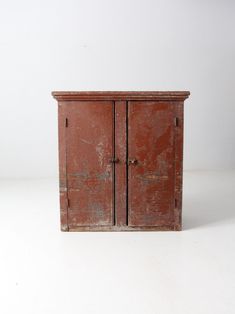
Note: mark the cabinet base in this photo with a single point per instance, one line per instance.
(121, 228)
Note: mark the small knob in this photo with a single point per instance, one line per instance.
(132, 161)
(114, 160)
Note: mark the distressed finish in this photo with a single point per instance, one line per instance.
(90, 174)
(151, 143)
(121, 167)
(121, 159)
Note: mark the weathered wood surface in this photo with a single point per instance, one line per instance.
(121, 161)
(178, 146)
(62, 169)
(89, 149)
(120, 188)
(117, 95)
(151, 177)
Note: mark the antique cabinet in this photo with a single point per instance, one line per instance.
(120, 158)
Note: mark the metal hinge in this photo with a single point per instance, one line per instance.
(177, 121)
(66, 122)
(176, 203)
(68, 203)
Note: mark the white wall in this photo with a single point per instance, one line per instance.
(114, 45)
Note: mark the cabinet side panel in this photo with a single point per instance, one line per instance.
(120, 169)
(179, 113)
(62, 168)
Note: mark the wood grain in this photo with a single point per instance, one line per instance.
(121, 95)
(99, 134)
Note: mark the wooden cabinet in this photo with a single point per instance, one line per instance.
(120, 156)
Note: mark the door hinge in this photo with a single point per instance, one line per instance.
(68, 203)
(177, 120)
(66, 122)
(176, 203)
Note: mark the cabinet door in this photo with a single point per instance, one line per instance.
(151, 163)
(89, 149)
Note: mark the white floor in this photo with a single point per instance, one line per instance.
(45, 271)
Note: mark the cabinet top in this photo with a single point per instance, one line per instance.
(120, 95)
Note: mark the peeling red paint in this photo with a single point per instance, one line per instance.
(151, 179)
(121, 159)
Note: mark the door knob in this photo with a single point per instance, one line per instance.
(114, 160)
(132, 161)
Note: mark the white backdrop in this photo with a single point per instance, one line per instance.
(114, 45)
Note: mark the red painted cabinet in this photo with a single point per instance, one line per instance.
(120, 156)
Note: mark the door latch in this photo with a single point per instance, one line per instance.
(132, 161)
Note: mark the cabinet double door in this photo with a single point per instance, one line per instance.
(119, 164)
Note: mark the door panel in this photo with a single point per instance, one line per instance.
(151, 177)
(89, 148)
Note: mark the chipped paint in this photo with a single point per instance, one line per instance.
(89, 173)
(151, 134)
(64, 227)
(85, 141)
(100, 151)
(151, 177)
(86, 146)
